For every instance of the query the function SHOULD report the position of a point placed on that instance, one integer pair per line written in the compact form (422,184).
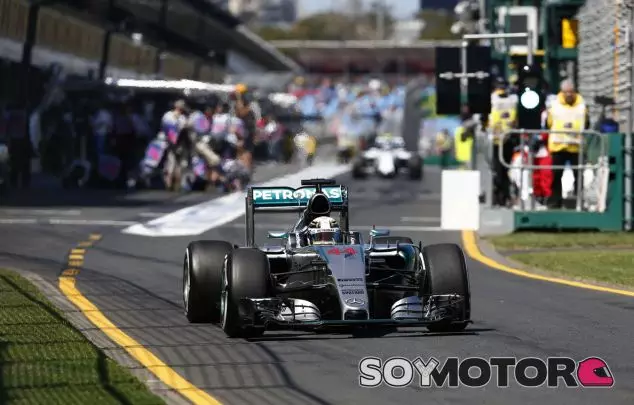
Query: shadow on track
(401,334)
(288,380)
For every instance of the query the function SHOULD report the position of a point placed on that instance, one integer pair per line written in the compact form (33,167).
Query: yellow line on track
(471,247)
(67,284)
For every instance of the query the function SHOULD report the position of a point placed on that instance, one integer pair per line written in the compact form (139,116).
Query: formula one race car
(323,276)
(386,158)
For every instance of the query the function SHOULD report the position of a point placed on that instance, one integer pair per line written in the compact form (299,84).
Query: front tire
(358,169)
(202,276)
(246,275)
(447,274)
(415,167)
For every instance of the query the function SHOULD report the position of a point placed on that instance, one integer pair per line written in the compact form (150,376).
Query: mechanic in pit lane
(228,136)
(199,124)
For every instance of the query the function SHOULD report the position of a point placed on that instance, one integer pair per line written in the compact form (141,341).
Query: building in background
(407,31)
(264,12)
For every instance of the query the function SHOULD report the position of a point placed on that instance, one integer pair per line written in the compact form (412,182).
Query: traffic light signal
(448,95)
(531,97)
(479,89)
(447,90)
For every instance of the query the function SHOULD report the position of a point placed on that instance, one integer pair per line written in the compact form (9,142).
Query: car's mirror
(379,232)
(277,235)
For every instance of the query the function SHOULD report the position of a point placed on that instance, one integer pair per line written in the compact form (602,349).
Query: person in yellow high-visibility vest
(463,145)
(568,112)
(502,119)
(443,147)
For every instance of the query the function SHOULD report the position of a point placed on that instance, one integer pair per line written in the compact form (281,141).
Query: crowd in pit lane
(202,142)
(89,137)
(356,112)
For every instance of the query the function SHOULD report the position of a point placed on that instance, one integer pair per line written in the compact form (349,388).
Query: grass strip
(543,240)
(45,360)
(615,268)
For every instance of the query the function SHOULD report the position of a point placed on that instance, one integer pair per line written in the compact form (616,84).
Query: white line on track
(151,214)
(104,222)
(26,211)
(18,221)
(64,221)
(197,219)
(421,219)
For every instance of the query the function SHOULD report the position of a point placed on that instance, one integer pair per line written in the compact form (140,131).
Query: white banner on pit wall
(460,200)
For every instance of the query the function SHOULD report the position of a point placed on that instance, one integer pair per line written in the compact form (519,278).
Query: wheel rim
(186,281)
(224,296)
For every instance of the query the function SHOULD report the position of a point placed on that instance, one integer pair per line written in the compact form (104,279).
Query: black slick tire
(447,274)
(415,168)
(358,171)
(247,274)
(202,277)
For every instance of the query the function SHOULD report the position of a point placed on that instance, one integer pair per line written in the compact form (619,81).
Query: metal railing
(592,156)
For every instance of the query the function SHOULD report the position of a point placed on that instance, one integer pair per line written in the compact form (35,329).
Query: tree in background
(333,27)
(325,26)
(437,25)
(379,11)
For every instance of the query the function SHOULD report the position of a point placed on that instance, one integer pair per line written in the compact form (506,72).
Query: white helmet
(324,231)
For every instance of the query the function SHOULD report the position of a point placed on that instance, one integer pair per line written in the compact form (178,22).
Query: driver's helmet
(324,231)
(398,142)
(383,142)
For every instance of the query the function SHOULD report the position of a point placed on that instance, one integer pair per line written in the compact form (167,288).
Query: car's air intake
(356,315)
(319,204)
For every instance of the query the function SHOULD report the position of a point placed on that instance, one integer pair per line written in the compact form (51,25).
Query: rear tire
(447,274)
(358,171)
(246,275)
(392,240)
(415,167)
(202,277)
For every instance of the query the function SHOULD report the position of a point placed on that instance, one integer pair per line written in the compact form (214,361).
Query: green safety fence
(609,220)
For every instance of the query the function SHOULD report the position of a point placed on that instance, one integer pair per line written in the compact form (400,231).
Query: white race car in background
(386,158)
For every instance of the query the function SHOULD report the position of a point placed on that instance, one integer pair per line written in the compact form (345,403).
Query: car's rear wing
(289,200)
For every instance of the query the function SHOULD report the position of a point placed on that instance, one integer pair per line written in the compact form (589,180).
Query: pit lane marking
(151,214)
(26,212)
(65,221)
(433,220)
(200,218)
(471,247)
(165,374)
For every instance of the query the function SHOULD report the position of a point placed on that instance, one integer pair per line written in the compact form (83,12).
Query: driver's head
(324,231)
(398,142)
(383,142)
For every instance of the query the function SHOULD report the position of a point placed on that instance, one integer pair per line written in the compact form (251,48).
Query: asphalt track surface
(136,282)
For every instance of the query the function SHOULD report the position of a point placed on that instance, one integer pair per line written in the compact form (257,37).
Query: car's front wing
(269,314)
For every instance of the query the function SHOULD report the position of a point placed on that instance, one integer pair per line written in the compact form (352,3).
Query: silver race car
(386,158)
(323,276)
